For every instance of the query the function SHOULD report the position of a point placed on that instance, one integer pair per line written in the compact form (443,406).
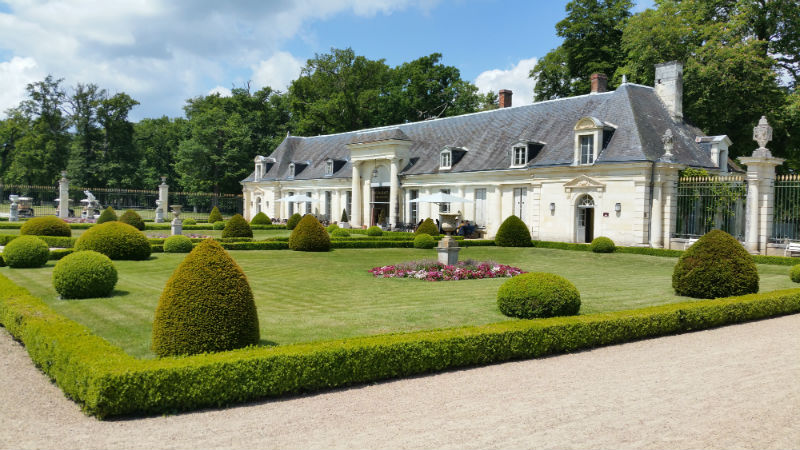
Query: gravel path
(733,387)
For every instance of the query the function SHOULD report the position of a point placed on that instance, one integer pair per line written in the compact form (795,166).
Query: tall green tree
(120,156)
(157,142)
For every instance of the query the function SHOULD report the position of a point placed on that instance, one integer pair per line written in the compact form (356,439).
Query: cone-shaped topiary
(177,244)
(189,221)
(331,227)
(206,306)
(133,219)
(715,266)
(46,226)
(84,274)
(513,233)
(424,241)
(602,244)
(116,240)
(374,231)
(293,221)
(794,273)
(214,216)
(344,218)
(427,227)
(237,227)
(26,252)
(309,236)
(538,294)
(340,233)
(108,215)
(260,219)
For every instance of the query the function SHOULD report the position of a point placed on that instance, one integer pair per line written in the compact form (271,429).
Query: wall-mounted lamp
(618,207)
(374,173)
(552,207)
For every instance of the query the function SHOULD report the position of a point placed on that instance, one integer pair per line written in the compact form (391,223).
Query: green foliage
(427,227)
(330,228)
(218,225)
(340,232)
(715,266)
(206,306)
(177,244)
(309,236)
(214,216)
(513,233)
(133,219)
(26,251)
(374,231)
(293,221)
(537,295)
(108,215)
(794,273)
(237,227)
(260,219)
(425,241)
(116,240)
(344,218)
(189,221)
(108,382)
(46,226)
(602,244)
(84,274)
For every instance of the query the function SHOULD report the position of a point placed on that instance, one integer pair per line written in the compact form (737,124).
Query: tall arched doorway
(584,219)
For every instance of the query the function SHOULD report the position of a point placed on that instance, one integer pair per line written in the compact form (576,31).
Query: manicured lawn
(314,296)
(257,234)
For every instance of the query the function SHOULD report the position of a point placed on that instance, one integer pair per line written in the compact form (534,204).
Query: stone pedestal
(447,251)
(13,215)
(159,215)
(63,196)
(163,200)
(176,227)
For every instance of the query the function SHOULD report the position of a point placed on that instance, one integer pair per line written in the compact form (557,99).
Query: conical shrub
(427,227)
(133,219)
(513,233)
(309,236)
(237,227)
(260,219)
(206,306)
(293,221)
(108,215)
(715,266)
(214,216)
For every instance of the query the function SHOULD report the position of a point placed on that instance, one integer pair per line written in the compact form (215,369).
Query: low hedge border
(147,226)
(52,241)
(108,382)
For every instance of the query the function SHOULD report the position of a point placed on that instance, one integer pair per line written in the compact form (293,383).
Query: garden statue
(448,247)
(159,212)
(90,205)
(13,215)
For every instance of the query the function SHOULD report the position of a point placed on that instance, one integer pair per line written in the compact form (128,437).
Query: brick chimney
(505,98)
(599,83)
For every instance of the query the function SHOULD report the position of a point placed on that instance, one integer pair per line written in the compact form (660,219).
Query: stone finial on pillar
(163,200)
(762,133)
(669,144)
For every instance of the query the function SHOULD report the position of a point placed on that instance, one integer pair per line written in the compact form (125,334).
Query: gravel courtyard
(733,387)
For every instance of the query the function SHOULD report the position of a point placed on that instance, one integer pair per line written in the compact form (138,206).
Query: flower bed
(435,271)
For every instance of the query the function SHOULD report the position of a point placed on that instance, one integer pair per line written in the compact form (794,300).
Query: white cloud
(222,91)
(16,74)
(515,79)
(277,71)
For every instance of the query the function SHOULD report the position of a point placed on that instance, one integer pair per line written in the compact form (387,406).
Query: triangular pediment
(584,181)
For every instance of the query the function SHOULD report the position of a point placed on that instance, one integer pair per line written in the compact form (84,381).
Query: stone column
(498,211)
(163,197)
(394,192)
(366,196)
(669,193)
(355,207)
(63,196)
(461,206)
(657,215)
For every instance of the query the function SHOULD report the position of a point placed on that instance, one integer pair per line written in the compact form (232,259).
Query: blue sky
(162,52)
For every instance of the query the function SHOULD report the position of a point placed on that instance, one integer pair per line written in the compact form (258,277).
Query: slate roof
(637,113)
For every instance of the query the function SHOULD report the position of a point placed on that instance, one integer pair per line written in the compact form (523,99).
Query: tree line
(87,130)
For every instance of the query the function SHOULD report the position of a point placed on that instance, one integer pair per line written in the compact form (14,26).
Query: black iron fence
(707,203)
(786,211)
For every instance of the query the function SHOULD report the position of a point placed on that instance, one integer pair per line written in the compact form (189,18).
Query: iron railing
(707,203)
(786,211)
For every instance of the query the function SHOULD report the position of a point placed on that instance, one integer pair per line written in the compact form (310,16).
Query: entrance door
(584,215)
(380,206)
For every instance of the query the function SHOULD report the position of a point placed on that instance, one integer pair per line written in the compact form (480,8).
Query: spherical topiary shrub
(108,215)
(794,274)
(189,221)
(237,227)
(293,221)
(177,244)
(215,216)
(602,244)
(715,266)
(538,294)
(427,227)
(133,219)
(309,236)
(218,225)
(84,274)
(374,231)
(46,226)
(26,251)
(116,240)
(331,227)
(513,233)
(424,241)
(260,219)
(340,232)
(206,306)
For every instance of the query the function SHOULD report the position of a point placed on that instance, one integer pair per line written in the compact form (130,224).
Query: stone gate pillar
(63,196)
(163,200)
(760,189)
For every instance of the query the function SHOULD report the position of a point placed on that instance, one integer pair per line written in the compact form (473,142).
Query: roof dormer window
(519,156)
(587,148)
(446,159)
(591,137)
(328,167)
(291,171)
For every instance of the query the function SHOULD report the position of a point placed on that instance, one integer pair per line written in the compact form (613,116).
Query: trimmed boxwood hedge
(107,382)
(293,221)
(177,244)
(427,227)
(309,236)
(133,219)
(84,274)
(602,244)
(374,231)
(116,240)
(52,241)
(260,219)
(794,273)
(46,226)
(424,241)
(215,216)
(108,215)
(237,227)
(538,294)
(340,233)
(513,233)
(26,252)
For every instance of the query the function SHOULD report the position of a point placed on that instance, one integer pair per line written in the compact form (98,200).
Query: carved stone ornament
(762,133)
(669,144)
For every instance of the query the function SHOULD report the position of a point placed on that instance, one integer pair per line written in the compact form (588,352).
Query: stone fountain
(448,247)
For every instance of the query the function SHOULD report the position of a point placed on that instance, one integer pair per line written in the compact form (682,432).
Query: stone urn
(448,248)
(176,227)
